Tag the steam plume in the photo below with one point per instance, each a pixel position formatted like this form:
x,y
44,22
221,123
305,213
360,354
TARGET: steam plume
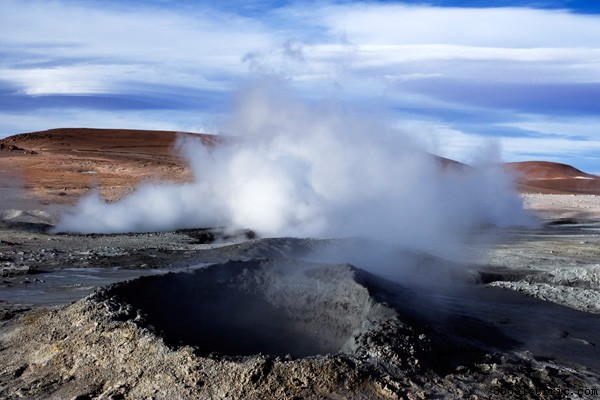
x,y
311,170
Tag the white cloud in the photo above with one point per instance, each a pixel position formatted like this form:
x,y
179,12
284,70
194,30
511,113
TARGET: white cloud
x,y
91,48
90,39
440,139
456,144
185,121
560,126
544,146
481,27
73,79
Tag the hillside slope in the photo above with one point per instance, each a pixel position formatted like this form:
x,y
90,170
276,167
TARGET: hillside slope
x,y
57,166
553,178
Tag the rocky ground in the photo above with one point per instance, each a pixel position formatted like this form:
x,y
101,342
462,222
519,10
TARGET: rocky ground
x,y
205,313
325,331
582,208
244,317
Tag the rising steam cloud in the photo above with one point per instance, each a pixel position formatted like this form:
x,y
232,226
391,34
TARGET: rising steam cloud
x,y
315,170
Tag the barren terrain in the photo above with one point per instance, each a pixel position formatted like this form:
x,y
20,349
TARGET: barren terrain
x,y
553,178
59,165
205,313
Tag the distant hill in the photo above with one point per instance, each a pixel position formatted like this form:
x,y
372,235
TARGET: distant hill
x,y
553,178
59,165
113,141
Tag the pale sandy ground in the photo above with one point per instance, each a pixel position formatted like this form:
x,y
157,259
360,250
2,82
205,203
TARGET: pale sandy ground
x,y
556,206
559,262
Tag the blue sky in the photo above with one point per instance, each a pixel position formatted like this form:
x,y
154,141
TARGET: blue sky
x,y
456,75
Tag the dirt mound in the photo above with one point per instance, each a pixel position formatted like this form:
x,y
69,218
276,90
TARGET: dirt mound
x,y
553,178
31,217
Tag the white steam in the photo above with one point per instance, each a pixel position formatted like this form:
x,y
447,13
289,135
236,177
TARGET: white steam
x,y
311,170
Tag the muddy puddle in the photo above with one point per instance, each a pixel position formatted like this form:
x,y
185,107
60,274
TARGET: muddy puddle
x,y
510,320
66,285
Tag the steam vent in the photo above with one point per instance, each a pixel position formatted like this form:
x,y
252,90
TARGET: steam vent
x,y
246,308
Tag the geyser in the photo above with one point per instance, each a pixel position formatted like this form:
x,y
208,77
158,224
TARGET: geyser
x,y
246,308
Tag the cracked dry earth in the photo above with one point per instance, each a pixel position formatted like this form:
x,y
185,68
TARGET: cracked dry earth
x,y
256,319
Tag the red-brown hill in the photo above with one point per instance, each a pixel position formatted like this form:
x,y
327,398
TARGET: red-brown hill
x,y
553,178
59,165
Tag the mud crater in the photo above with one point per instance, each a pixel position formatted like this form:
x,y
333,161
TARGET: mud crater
x,y
246,308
